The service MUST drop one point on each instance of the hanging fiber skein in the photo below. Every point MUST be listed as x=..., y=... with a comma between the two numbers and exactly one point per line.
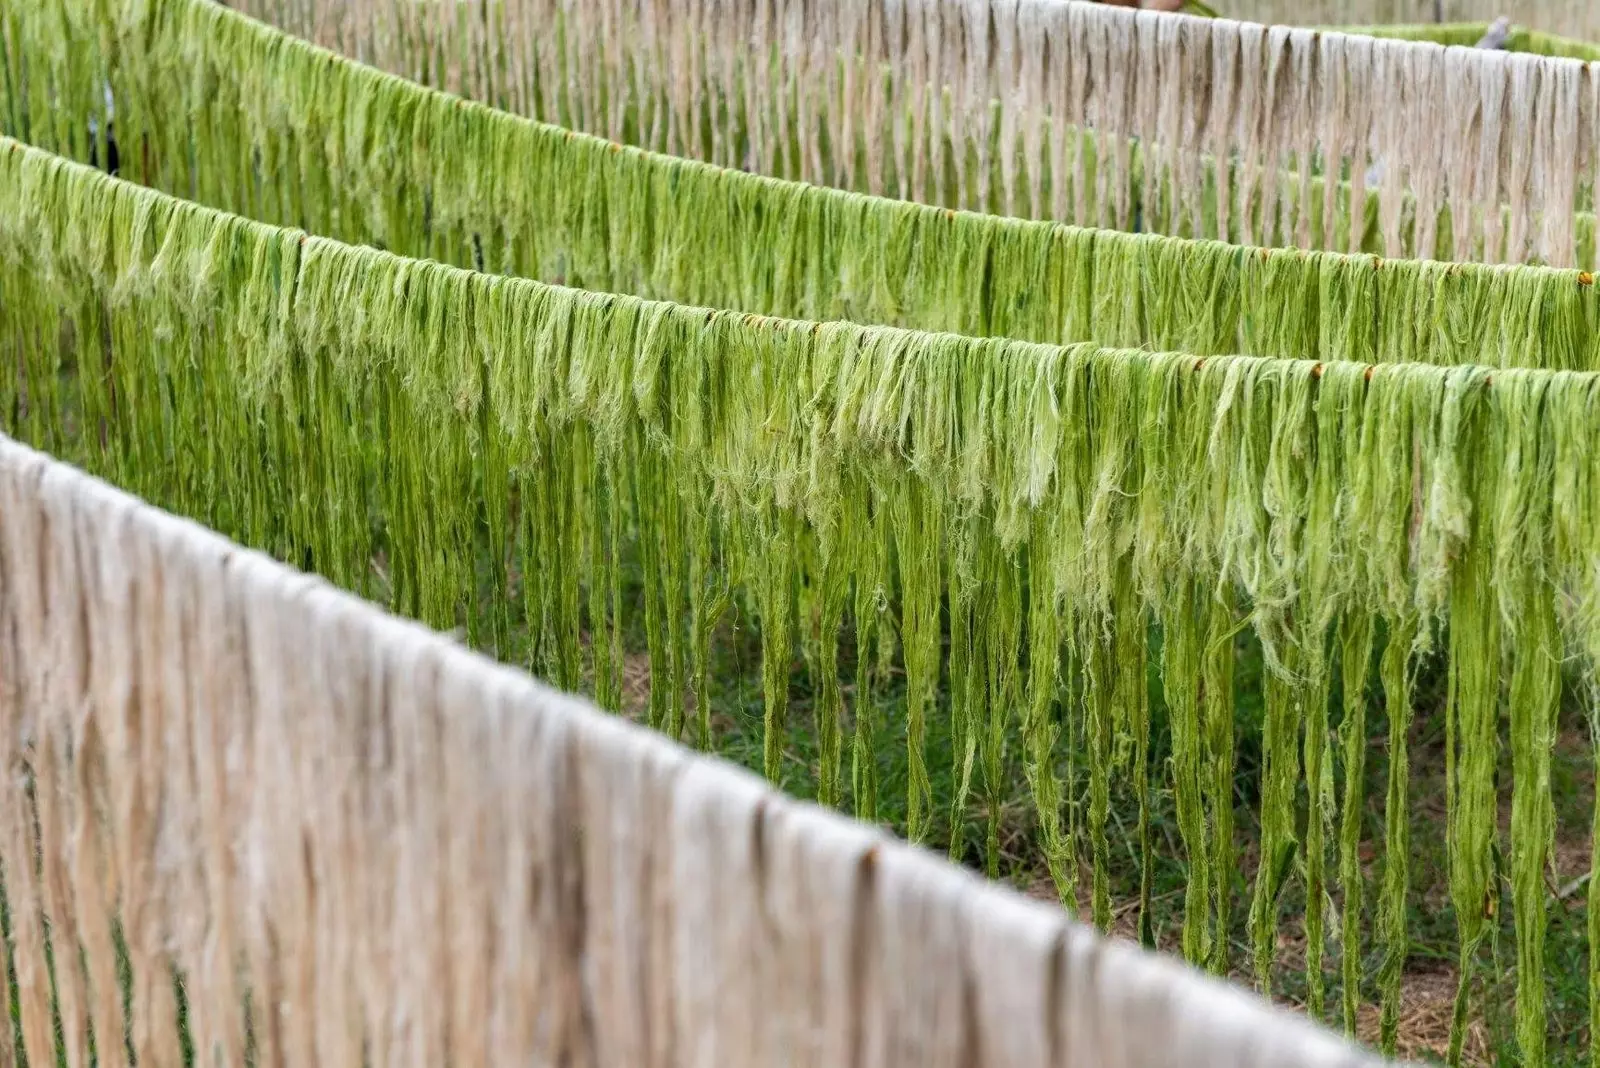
x=352, y=153
x=370, y=416
x=358, y=843
x=1032, y=108
x=795, y=594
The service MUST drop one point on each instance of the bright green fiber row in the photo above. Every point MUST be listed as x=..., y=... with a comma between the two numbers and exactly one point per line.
x=1006, y=518
x=221, y=109
x=1549, y=44
x=1407, y=318
x=1476, y=314
x=1481, y=315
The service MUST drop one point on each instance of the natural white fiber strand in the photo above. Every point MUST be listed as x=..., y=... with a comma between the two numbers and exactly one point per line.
x=983, y=104
x=354, y=842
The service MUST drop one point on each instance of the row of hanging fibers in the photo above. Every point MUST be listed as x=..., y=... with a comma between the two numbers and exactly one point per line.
x=348, y=152
x=1562, y=283
x=354, y=843
x=1005, y=518
x=418, y=164
x=956, y=104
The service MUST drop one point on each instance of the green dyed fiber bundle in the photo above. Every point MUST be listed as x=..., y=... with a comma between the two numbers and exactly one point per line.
x=1018, y=521
x=215, y=107
x=957, y=575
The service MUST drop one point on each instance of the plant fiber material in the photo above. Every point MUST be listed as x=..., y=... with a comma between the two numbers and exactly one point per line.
x=250, y=819
x=218, y=108
x=970, y=103
x=489, y=453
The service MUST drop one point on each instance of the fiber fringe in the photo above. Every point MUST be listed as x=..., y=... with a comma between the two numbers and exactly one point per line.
x=969, y=104
x=496, y=454
x=249, y=819
x=214, y=107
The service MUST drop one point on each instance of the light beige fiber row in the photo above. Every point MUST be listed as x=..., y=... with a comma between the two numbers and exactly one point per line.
x=342, y=840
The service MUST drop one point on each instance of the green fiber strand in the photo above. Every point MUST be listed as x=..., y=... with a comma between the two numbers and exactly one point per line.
x=1217, y=721
x=967, y=624
x=772, y=559
x=1593, y=904
x=1004, y=692
x=1355, y=665
x=1472, y=709
x=1042, y=730
x=1535, y=695
x=708, y=603
x=916, y=540
x=1396, y=673
x=1319, y=790
x=1527, y=508
x=829, y=607
x=1182, y=649
x=1134, y=688
x=1279, y=845
x=872, y=654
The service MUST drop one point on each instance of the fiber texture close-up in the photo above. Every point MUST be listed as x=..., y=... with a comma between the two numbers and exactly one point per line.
x=1233, y=588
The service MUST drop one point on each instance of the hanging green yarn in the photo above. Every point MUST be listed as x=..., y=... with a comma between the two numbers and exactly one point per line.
x=1124, y=290
x=406, y=428
x=213, y=106
x=1112, y=288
